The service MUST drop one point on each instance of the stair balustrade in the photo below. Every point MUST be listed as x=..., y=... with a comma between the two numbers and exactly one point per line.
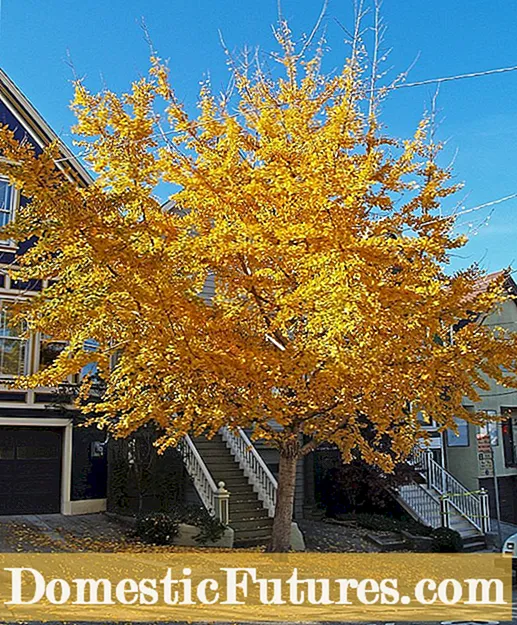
x=253, y=466
x=470, y=505
x=214, y=496
x=423, y=503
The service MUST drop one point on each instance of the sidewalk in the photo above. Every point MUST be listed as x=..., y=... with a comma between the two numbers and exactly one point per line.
x=507, y=529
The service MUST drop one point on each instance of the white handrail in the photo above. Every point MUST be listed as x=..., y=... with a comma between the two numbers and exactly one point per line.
x=469, y=506
x=214, y=497
x=253, y=466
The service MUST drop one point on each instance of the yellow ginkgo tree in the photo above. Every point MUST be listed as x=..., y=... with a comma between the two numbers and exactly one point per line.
x=334, y=318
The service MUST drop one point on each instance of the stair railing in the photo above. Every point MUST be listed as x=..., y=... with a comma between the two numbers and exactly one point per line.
x=214, y=497
x=253, y=466
x=424, y=504
x=471, y=505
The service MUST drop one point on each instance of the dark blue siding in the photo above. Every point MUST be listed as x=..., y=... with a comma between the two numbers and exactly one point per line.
x=20, y=133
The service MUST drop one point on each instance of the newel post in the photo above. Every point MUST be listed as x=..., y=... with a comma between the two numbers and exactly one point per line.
x=444, y=510
x=222, y=504
x=485, y=511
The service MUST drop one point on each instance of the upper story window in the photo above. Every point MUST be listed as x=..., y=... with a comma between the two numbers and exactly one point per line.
x=13, y=348
x=425, y=420
x=49, y=351
x=6, y=203
x=461, y=439
x=490, y=429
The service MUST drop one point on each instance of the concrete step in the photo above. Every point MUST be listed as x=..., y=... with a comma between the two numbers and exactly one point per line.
x=216, y=453
x=238, y=480
x=243, y=505
x=256, y=532
x=228, y=472
x=252, y=524
x=220, y=461
x=473, y=543
x=246, y=515
x=238, y=491
x=220, y=445
x=215, y=443
x=252, y=542
x=229, y=478
x=243, y=495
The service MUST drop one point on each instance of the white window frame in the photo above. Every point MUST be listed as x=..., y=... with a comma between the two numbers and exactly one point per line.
x=4, y=303
x=7, y=210
x=15, y=197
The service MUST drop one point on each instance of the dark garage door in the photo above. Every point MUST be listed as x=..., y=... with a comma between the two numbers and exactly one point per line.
x=30, y=470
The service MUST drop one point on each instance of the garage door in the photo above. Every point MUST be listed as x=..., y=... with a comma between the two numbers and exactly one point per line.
x=30, y=470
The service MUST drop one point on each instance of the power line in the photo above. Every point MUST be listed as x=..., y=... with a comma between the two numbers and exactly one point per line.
x=431, y=81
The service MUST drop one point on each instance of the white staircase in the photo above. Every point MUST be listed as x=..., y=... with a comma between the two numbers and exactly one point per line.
x=440, y=500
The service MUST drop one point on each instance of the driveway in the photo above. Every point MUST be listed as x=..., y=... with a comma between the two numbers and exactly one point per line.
x=56, y=532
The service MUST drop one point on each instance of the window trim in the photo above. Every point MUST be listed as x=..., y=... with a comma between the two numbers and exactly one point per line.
x=10, y=244
x=4, y=302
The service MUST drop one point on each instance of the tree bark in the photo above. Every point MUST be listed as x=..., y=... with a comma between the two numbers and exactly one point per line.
x=281, y=536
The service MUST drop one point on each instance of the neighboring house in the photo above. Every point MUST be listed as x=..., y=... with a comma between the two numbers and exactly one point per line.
x=468, y=455
x=457, y=474
x=47, y=464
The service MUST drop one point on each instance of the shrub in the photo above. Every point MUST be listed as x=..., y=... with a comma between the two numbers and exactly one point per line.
x=161, y=528
x=382, y=523
x=358, y=486
x=210, y=528
x=446, y=540
x=157, y=528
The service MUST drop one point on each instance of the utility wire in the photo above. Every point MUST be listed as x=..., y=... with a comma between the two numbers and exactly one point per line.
x=431, y=81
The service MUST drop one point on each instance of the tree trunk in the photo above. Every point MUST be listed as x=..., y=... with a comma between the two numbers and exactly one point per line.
x=281, y=537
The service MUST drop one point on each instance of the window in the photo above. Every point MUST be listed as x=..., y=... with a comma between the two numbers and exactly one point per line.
x=509, y=436
x=13, y=348
x=90, y=369
x=490, y=429
x=6, y=203
x=425, y=420
x=49, y=351
x=462, y=438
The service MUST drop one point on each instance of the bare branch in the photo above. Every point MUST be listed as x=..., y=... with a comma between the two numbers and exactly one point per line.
x=487, y=204
x=377, y=39
x=315, y=29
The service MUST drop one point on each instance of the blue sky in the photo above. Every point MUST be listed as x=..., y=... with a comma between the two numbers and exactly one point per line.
x=479, y=116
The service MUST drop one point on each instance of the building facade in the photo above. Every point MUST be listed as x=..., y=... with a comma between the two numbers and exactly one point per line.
x=477, y=456
x=48, y=462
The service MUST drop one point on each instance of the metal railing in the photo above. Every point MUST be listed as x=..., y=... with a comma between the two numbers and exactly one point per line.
x=253, y=466
x=214, y=497
x=424, y=504
x=470, y=505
